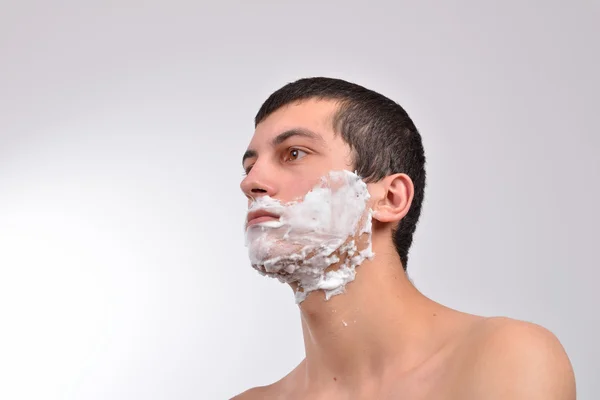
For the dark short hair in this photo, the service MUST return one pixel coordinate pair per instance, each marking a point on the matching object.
(382, 136)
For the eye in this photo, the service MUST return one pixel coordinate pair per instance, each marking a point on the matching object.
(247, 170)
(294, 154)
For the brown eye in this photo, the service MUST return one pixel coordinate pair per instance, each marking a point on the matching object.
(295, 154)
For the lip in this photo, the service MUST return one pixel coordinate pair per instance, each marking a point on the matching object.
(256, 217)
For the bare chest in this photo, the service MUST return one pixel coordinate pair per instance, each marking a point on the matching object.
(435, 381)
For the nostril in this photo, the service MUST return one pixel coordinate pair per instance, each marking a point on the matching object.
(258, 191)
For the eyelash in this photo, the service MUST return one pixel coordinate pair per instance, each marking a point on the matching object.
(290, 149)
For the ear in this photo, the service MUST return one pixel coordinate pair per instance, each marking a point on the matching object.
(392, 197)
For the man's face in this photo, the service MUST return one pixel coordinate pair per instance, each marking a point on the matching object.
(309, 220)
(292, 149)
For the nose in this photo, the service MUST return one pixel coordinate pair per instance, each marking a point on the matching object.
(257, 184)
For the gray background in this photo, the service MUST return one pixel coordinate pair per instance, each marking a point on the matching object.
(123, 273)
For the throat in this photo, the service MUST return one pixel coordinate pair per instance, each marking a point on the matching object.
(360, 333)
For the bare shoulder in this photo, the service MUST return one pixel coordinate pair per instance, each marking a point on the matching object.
(498, 336)
(261, 392)
(514, 359)
(276, 391)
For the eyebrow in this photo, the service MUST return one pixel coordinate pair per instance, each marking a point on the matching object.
(282, 137)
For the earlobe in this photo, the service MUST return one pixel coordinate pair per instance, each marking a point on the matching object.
(395, 197)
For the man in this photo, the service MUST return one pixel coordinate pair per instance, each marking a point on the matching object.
(378, 337)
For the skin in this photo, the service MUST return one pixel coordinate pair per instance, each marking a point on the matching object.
(382, 338)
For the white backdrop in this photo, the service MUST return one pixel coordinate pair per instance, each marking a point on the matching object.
(123, 273)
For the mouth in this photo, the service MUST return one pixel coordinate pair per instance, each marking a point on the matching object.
(256, 217)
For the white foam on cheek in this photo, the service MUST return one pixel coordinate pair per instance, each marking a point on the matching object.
(314, 234)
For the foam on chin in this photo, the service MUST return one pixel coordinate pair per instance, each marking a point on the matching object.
(313, 234)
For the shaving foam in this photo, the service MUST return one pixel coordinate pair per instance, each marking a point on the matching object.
(313, 234)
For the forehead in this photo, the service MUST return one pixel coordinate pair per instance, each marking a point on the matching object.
(312, 114)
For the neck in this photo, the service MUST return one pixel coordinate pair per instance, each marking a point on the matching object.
(381, 320)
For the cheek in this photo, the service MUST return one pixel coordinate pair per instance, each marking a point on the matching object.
(297, 189)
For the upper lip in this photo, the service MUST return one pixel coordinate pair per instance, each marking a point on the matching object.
(259, 213)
